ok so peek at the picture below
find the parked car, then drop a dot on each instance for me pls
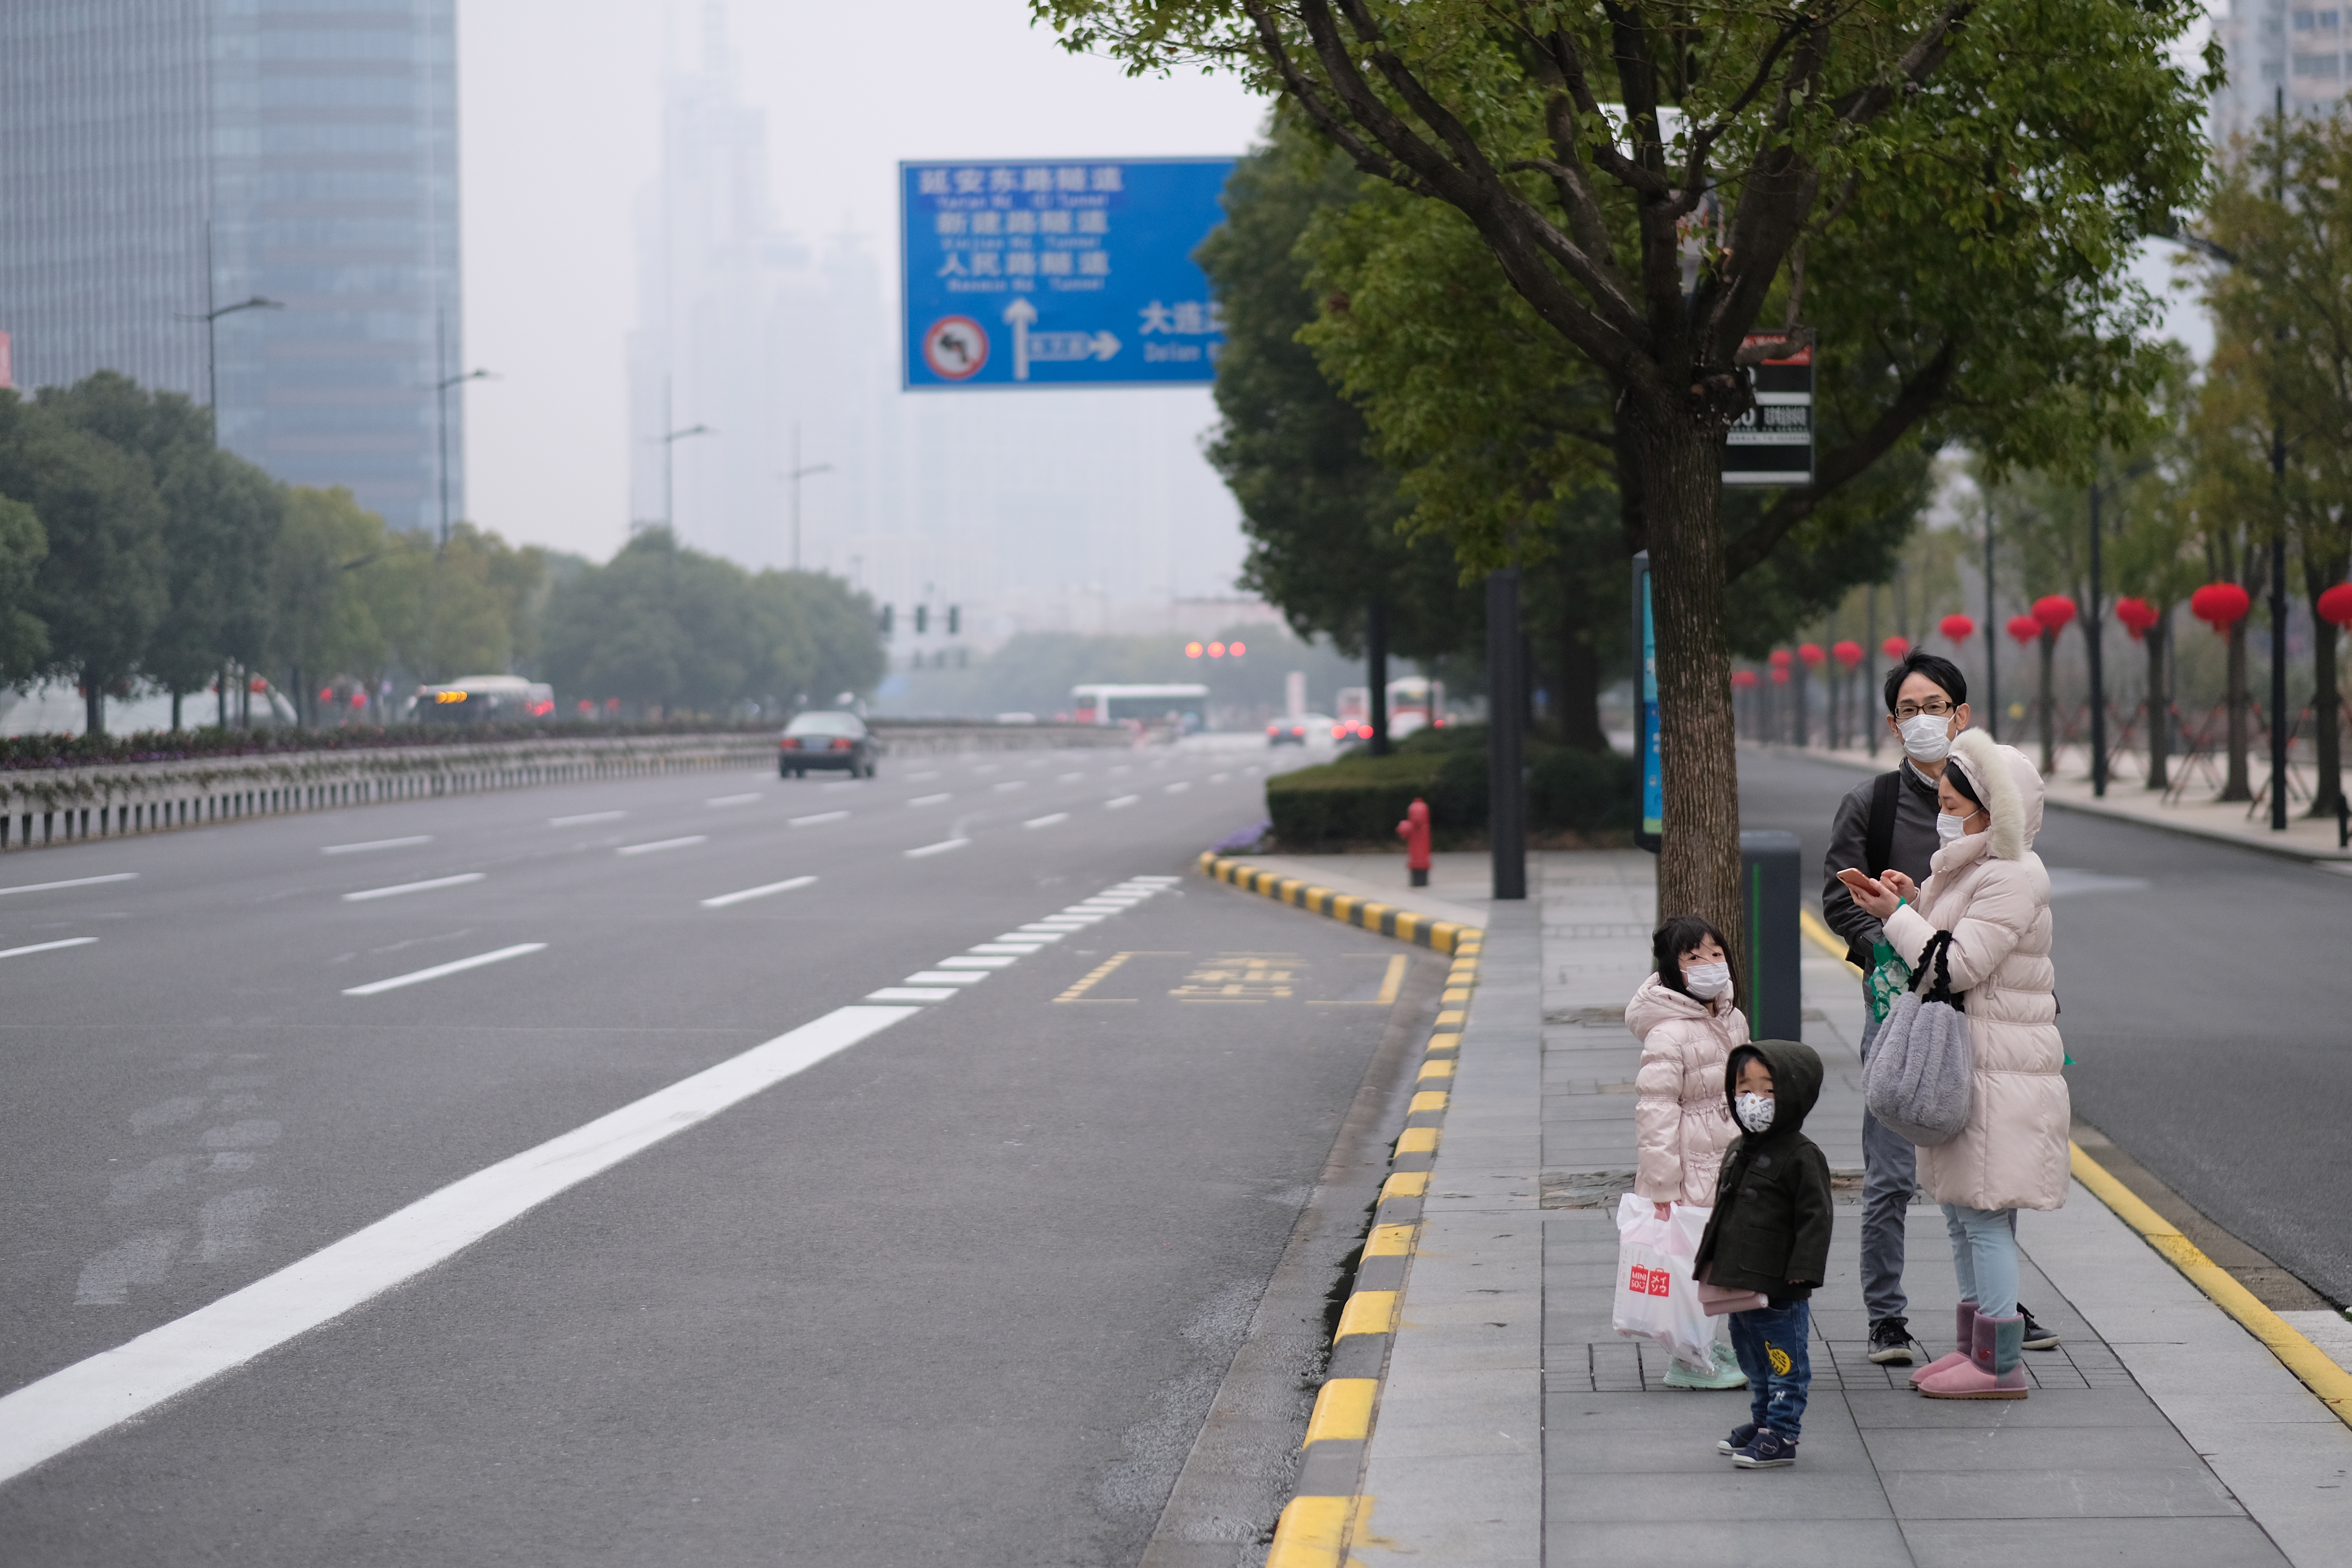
(826, 740)
(1299, 729)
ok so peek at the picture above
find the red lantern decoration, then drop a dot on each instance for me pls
(2139, 616)
(1895, 648)
(1958, 628)
(2024, 628)
(2334, 605)
(2221, 606)
(1781, 657)
(2053, 611)
(1780, 675)
(1848, 652)
(1743, 679)
(1810, 652)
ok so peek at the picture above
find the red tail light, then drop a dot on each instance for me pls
(790, 743)
(843, 743)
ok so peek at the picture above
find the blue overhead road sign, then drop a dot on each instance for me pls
(1066, 273)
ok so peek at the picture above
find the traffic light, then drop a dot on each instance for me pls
(955, 620)
(922, 619)
(888, 618)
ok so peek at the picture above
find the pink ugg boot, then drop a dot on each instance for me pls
(1965, 1331)
(1992, 1372)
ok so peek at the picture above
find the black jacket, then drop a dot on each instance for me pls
(1913, 845)
(1770, 1228)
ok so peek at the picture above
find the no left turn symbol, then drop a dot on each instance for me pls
(955, 347)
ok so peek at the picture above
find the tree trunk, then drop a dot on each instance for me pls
(1376, 677)
(2047, 702)
(220, 697)
(2160, 707)
(1698, 861)
(1800, 715)
(1576, 695)
(2238, 787)
(175, 709)
(93, 704)
(2326, 706)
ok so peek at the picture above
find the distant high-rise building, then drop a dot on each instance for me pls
(162, 158)
(2273, 47)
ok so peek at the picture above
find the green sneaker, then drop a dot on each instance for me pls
(1724, 1374)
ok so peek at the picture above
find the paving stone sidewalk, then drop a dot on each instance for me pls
(1516, 1427)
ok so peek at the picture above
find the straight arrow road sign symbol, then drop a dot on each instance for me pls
(1021, 314)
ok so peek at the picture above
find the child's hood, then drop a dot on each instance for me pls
(1656, 1003)
(1795, 1072)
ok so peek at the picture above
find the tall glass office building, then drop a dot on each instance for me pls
(159, 158)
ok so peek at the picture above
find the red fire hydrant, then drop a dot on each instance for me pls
(1414, 831)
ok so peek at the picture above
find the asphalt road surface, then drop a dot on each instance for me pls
(958, 1290)
(2203, 991)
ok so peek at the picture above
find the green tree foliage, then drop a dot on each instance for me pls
(326, 565)
(456, 611)
(665, 628)
(24, 640)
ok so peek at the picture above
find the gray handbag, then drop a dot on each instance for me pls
(1920, 1080)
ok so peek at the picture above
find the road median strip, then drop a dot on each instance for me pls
(1365, 914)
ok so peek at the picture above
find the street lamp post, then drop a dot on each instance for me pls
(669, 440)
(441, 393)
(797, 473)
(211, 314)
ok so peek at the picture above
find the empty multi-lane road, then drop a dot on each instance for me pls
(704, 1169)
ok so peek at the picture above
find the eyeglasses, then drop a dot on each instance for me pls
(1934, 708)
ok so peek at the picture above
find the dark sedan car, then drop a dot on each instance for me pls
(838, 741)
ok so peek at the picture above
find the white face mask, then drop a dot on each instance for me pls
(1952, 829)
(1754, 1111)
(1707, 981)
(1928, 738)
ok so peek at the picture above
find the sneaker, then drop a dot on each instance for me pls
(1741, 1436)
(1890, 1343)
(1767, 1450)
(2037, 1338)
(1723, 1374)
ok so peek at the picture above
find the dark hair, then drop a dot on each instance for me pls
(1678, 936)
(1936, 667)
(1965, 790)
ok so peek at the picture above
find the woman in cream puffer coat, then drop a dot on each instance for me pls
(1988, 888)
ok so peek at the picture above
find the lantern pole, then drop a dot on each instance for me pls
(2092, 637)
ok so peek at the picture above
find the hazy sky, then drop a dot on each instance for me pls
(560, 127)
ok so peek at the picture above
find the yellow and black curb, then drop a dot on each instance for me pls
(1366, 914)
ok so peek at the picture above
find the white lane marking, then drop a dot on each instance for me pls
(393, 892)
(947, 977)
(842, 783)
(930, 799)
(942, 848)
(69, 882)
(438, 970)
(47, 946)
(1034, 934)
(734, 799)
(1122, 768)
(1069, 778)
(1154, 882)
(813, 821)
(1219, 778)
(1004, 947)
(375, 843)
(961, 962)
(1010, 785)
(923, 777)
(661, 843)
(911, 993)
(1179, 787)
(585, 817)
(1047, 821)
(44, 1419)
(1120, 801)
(786, 886)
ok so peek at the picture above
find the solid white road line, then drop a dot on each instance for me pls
(1047, 821)
(660, 844)
(942, 848)
(585, 817)
(376, 844)
(786, 886)
(947, 977)
(813, 821)
(413, 886)
(734, 799)
(438, 970)
(71, 882)
(47, 946)
(1120, 801)
(44, 1419)
(930, 799)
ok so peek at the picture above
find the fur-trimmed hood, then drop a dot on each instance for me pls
(2010, 786)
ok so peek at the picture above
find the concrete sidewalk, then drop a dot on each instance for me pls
(1516, 1427)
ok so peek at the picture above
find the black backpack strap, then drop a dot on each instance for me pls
(1878, 840)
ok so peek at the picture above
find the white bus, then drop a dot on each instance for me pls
(1184, 707)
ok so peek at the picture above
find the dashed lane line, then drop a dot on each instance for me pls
(947, 977)
(1047, 821)
(1124, 800)
(734, 799)
(786, 886)
(660, 844)
(69, 882)
(395, 891)
(813, 821)
(1179, 787)
(585, 817)
(942, 848)
(930, 799)
(69, 1407)
(457, 966)
(47, 946)
(375, 843)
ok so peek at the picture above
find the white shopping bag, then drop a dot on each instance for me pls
(1656, 1299)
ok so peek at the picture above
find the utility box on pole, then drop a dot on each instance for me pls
(1772, 991)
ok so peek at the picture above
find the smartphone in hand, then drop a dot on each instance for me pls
(1861, 883)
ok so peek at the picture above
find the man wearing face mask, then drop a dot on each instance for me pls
(1888, 822)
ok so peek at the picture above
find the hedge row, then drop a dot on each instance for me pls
(1360, 800)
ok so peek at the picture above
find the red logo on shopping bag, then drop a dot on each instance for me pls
(1640, 1281)
(1661, 1282)
(1649, 1281)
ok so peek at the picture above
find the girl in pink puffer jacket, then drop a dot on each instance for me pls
(1683, 1017)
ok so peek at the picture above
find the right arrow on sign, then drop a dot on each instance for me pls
(1022, 315)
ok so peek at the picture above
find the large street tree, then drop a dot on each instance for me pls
(24, 640)
(1970, 174)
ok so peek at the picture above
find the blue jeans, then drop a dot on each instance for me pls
(1890, 1169)
(1771, 1349)
(1984, 1256)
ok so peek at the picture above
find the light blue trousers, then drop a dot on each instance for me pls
(1984, 1256)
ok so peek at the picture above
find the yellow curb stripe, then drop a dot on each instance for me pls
(1427, 1100)
(1417, 1141)
(1444, 1042)
(1366, 914)
(1441, 1067)
(1405, 1185)
(2331, 1383)
(1313, 1532)
(1390, 1241)
(1342, 1410)
(1453, 1018)
(1368, 1313)
(1821, 936)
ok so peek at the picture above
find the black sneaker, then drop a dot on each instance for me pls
(1741, 1436)
(1890, 1342)
(2037, 1338)
(1767, 1450)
